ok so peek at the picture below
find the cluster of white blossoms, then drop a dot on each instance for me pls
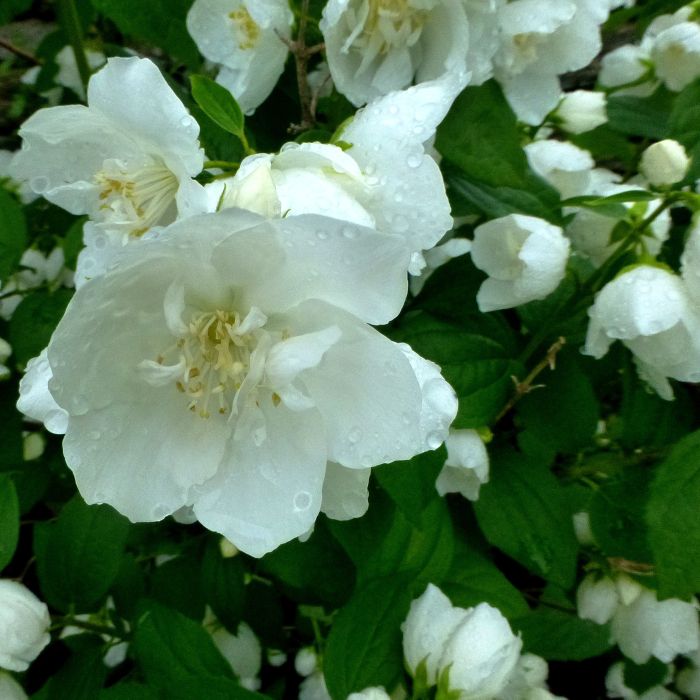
(640, 624)
(469, 654)
(228, 354)
(374, 47)
(668, 54)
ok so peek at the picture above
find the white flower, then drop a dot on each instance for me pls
(615, 685)
(242, 650)
(239, 347)
(35, 269)
(676, 55)
(126, 160)
(582, 528)
(35, 400)
(22, 189)
(524, 257)
(664, 163)
(437, 257)
(650, 311)
(245, 37)
(25, 622)
(305, 661)
(641, 625)
(566, 167)
(528, 681)
(476, 647)
(383, 180)
(370, 694)
(68, 75)
(466, 467)
(540, 39)
(10, 689)
(581, 111)
(5, 352)
(628, 64)
(688, 679)
(314, 688)
(377, 46)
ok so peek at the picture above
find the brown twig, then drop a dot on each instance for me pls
(5, 44)
(526, 386)
(631, 567)
(302, 53)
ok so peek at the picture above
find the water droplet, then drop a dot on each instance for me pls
(322, 235)
(94, 435)
(393, 109)
(398, 197)
(100, 242)
(186, 122)
(302, 501)
(406, 418)
(434, 440)
(370, 169)
(372, 180)
(414, 160)
(99, 497)
(349, 232)
(400, 223)
(354, 435)
(39, 184)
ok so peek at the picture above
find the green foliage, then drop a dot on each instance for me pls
(9, 520)
(13, 234)
(672, 509)
(486, 169)
(82, 676)
(369, 626)
(159, 22)
(683, 126)
(79, 555)
(34, 320)
(218, 104)
(523, 511)
(222, 584)
(641, 116)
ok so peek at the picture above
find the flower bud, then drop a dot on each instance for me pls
(370, 694)
(581, 111)
(10, 689)
(597, 600)
(481, 654)
(664, 163)
(25, 621)
(305, 661)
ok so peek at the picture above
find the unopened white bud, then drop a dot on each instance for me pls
(305, 661)
(582, 110)
(664, 163)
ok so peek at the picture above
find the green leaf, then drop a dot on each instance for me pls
(683, 123)
(364, 646)
(617, 515)
(8, 11)
(411, 484)
(129, 691)
(9, 520)
(34, 320)
(561, 416)
(485, 167)
(524, 511)
(475, 579)
(223, 585)
(13, 233)
(218, 104)
(476, 358)
(315, 571)
(82, 676)
(560, 636)
(641, 116)
(209, 688)
(642, 677)
(672, 516)
(158, 22)
(81, 555)
(11, 447)
(171, 648)
(384, 542)
(175, 584)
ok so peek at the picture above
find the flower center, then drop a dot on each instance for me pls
(245, 30)
(381, 25)
(138, 197)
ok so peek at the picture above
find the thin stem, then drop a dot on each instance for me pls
(70, 23)
(19, 52)
(89, 627)
(526, 386)
(225, 164)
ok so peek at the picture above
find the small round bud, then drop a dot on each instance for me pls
(581, 111)
(664, 163)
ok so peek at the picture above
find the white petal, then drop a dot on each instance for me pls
(35, 399)
(268, 494)
(466, 467)
(345, 494)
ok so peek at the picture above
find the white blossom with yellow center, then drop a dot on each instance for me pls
(127, 159)
(245, 38)
(376, 46)
(226, 365)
